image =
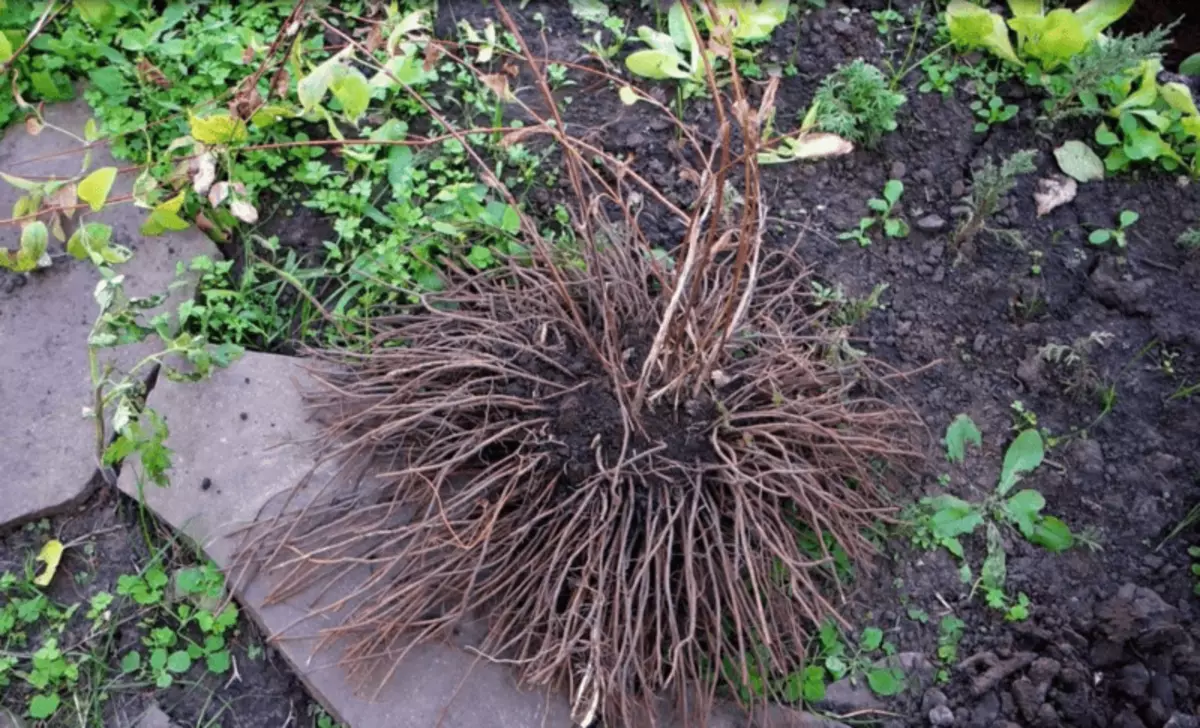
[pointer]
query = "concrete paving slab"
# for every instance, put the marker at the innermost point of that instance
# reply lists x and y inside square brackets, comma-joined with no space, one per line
[48,458]
[239,442]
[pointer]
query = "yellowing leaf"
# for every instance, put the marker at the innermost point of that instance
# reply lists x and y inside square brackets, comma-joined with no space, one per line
[165,216]
[270,114]
[351,88]
[50,555]
[217,129]
[976,27]
[6,49]
[628,96]
[95,187]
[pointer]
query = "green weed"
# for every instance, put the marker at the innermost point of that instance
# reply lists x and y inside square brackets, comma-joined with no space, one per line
[990,183]
[1119,235]
[856,103]
[884,208]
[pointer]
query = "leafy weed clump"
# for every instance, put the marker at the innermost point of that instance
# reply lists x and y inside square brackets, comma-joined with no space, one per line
[857,103]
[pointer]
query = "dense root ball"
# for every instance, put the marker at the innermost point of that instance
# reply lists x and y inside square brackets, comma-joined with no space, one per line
[651,551]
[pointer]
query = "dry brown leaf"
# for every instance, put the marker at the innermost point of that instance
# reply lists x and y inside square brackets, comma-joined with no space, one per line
[1053,192]
[497,83]
[279,84]
[433,51]
[204,173]
[244,211]
[151,73]
[33,126]
[64,198]
[56,228]
[218,193]
[821,145]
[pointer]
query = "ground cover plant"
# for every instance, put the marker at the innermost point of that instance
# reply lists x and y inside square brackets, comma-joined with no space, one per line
[611,248]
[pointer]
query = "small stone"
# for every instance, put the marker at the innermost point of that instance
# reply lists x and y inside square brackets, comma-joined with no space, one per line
[960,211]
[1133,680]
[841,27]
[1128,719]
[931,224]
[958,189]
[980,343]
[941,717]
[924,176]
[634,140]
[1047,717]
[1153,562]
[1182,720]
[1044,669]
[898,170]
[939,274]
[986,711]
[1088,456]
[932,699]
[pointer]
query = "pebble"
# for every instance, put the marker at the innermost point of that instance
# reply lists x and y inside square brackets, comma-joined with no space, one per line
[932,699]
[961,211]
[1133,680]
[924,176]
[931,224]
[958,189]
[941,717]
[898,170]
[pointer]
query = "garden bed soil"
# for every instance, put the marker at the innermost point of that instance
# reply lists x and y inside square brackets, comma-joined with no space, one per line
[1114,635]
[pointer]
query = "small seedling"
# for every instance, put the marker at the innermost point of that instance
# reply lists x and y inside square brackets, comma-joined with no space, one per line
[1104,236]
[1189,240]
[884,207]
[950,633]
[885,18]
[989,184]
[943,519]
[991,112]
[856,103]
[1194,552]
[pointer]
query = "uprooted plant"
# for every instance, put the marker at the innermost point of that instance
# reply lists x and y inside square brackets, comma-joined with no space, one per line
[606,454]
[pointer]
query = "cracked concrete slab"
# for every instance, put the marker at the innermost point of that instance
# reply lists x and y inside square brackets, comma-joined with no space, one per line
[239,442]
[49,456]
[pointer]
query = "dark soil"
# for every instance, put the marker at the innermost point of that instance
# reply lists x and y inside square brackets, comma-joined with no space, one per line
[1113,631]
[106,538]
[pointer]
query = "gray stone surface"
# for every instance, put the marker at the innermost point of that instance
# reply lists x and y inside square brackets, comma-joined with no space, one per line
[246,463]
[48,458]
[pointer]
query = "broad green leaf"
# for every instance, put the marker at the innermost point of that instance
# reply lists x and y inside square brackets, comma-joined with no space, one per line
[1023,455]
[95,187]
[271,114]
[32,251]
[678,26]
[1079,161]
[352,90]
[1147,91]
[1023,508]
[886,682]
[1179,97]
[217,129]
[976,27]
[1097,15]
[1027,8]
[1052,534]
[657,65]
[1105,136]
[179,662]
[589,11]
[6,49]
[872,638]
[94,240]
[1190,65]
[961,432]
[953,516]
[1100,237]
[165,216]
[95,12]
[131,662]
[43,706]
[1052,39]
[1128,217]
[312,88]
[893,190]
[1144,144]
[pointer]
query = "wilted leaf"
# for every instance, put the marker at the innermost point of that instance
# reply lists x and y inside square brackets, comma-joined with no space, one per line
[95,187]
[50,555]
[628,96]
[64,198]
[205,173]
[218,193]
[811,145]
[1078,160]
[497,83]
[1053,192]
[244,211]
[217,129]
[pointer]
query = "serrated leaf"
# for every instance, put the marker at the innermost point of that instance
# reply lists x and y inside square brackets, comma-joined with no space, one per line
[95,187]
[1079,161]
[1023,508]
[50,555]
[351,89]
[217,129]
[961,432]
[1023,455]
